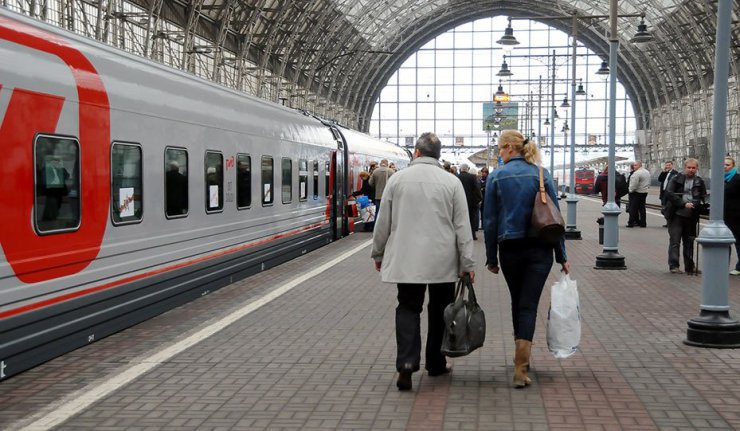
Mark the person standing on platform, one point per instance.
(732, 206)
(664, 179)
(483, 178)
(602, 182)
(378, 179)
(472, 195)
(684, 194)
(525, 259)
(638, 190)
(423, 239)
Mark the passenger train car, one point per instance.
(131, 188)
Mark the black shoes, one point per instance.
(404, 377)
(444, 371)
(404, 380)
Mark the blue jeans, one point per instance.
(526, 263)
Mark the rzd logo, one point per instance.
(36, 258)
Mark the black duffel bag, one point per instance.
(465, 322)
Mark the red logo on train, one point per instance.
(35, 258)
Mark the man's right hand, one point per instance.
(493, 268)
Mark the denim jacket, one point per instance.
(509, 200)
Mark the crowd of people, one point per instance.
(427, 220)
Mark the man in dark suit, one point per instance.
(472, 194)
(664, 179)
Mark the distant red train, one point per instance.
(585, 179)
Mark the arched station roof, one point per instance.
(344, 51)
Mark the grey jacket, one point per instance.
(378, 179)
(423, 234)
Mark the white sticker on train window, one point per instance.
(213, 194)
(126, 202)
(303, 190)
(267, 193)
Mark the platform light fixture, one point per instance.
(565, 103)
(508, 41)
(642, 35)
(580, 91)
(500, 95)
(505, 71)
(603, 71)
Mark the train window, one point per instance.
(176, 182)
(243, 181)
(327, 176)
(126, 183)
(267, 179)
(57, 200)
(214, 181)
(315, 179)
(287, 188)
(302, 179)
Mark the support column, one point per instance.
(610, 257)
(571, 230)
(714, 327)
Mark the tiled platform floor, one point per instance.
(322, 357)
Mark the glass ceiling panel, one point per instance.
(370, 17)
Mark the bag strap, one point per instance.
(471, 292)
(542, 186)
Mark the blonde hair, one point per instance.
(520, 145)
(731, 160)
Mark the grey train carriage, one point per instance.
(131, 188)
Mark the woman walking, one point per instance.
(512, 243)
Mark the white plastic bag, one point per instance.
(564, 318)
(367, 214)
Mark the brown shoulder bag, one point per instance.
(546, 217)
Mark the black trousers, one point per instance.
(408, 324)
(473, 215)
(637, 209)
(681, 229)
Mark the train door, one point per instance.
(340, 185)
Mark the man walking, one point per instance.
(664, 179)
(378, 179)
(684, 195)
(638, 191)
(422, 238)
(472, 195)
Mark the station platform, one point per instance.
(310, 345)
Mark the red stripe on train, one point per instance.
(95, 289)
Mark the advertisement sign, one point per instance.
(508, 116)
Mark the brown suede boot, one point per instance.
(521, 363)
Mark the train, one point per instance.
(132, 188)
(585, 178)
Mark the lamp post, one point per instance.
(565, 145)
(488, 146)
(571, 230)
(610, 257)
(714, 327)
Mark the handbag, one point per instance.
(465, 322)
(546, 217)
